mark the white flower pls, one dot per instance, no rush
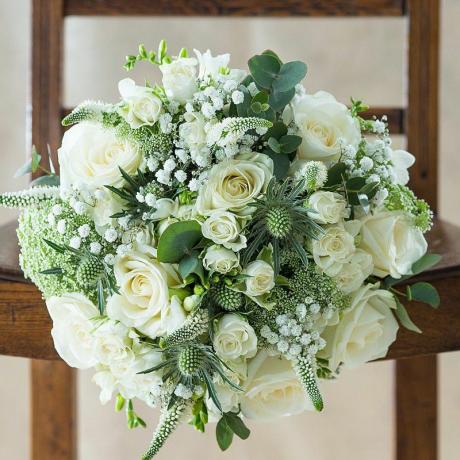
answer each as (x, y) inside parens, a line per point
(325, 126)
(179, 79)
(90, 156)
(107, 204)
(75, 242)
(223, 228)
(393, 242)
(73, 329)
(401, 162)
(144, 284)
(61, 226)
(234, 183)
(365, 331)
(110, 235)
(220, 260)
(237, 97)
(210, 66)
(272, 389)
(141, 106)
(330, 207)
(261, 278)
(84, 230)
(95, 247)
(355, 271)
(192, 132)
(333, 250)
(234, 338)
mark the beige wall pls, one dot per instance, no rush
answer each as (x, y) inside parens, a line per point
(359, 57)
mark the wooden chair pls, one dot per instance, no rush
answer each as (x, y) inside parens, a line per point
(24, 322)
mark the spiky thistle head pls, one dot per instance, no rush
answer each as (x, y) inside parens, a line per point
(190, 360)
(281, 219)
(226, 298)
(89, 270)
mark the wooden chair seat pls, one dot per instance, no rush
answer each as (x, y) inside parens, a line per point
(25, 324)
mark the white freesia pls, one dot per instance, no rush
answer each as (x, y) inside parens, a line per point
(365, 331)
(179, 79)
(220, 260)
(355, 271)
(261, 278)
(234, 338)
(210, 65)
(325, 126)
(272, 389)
(333, 249)
(192, 132)
(144, 292)
(72, 316)
(401, 162)
(222, 227)
(141, 106)
(328, 207)
(90, 157)
(393, 242)
(234, 183)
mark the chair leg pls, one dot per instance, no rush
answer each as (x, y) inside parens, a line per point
(53, 435)
(416, 408)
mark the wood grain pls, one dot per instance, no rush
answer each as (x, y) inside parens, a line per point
(53, 423)
(422, 110)
(416, 399)
(234, 7)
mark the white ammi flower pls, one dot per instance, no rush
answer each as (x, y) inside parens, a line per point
(325, 126)
(90, 157)
(234, 338)
(234, 183)
(222, 227)
(179, 79)
(365, 331)
(393, 242)
(73, 328)
(141, 106)
(272, 389)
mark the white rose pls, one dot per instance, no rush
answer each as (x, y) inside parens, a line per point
(333, 250)
(401, 162)
(325, 126)
(192, 132)
(330, 207)
(73, 329)
(210, 66)
(220, 260)
(90, 157)
(234, 338)
(144, 294)
(355, 271)
(234, 183)
(141, 106)
(272, 389)
(179, 79)
(262, 278)
(223, 228)
(365, 331)
(393, 242)
(106, 206)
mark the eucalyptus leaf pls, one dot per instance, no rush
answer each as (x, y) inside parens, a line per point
(289, 75)
(335, 175)
(178, 240)
(277, 130)
(264, 68)
(237, 425)
(425, 262)
(273, 54)
(404, 317)
(52, 180)
(191, 263)
(274, 145)
(364, 202)
(224, 434)
(424, 292)
(24, 169)
(279, 100)
(289, 143)
(281, 164)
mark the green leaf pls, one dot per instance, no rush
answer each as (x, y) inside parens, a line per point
(191, 263)
(272, 53)
(237, 425)
(281, 164)
(224, 434)
(289, 75)
(278, 100)
(425, 262)
(264, 68)
(355, 184)
(289, 143)
(52, 181)
(404, 318)
(335, 175)
(52, 271)
(364, 202)
(274, 145)
(100, 297)
(278, 130)
(256, 107)
(54, 246)
(424, 292)
(370, 189)
(24, 169)
(178, 240)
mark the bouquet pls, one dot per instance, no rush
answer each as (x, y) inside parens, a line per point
(218, 244)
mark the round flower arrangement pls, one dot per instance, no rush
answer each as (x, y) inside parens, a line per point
(218, 244)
